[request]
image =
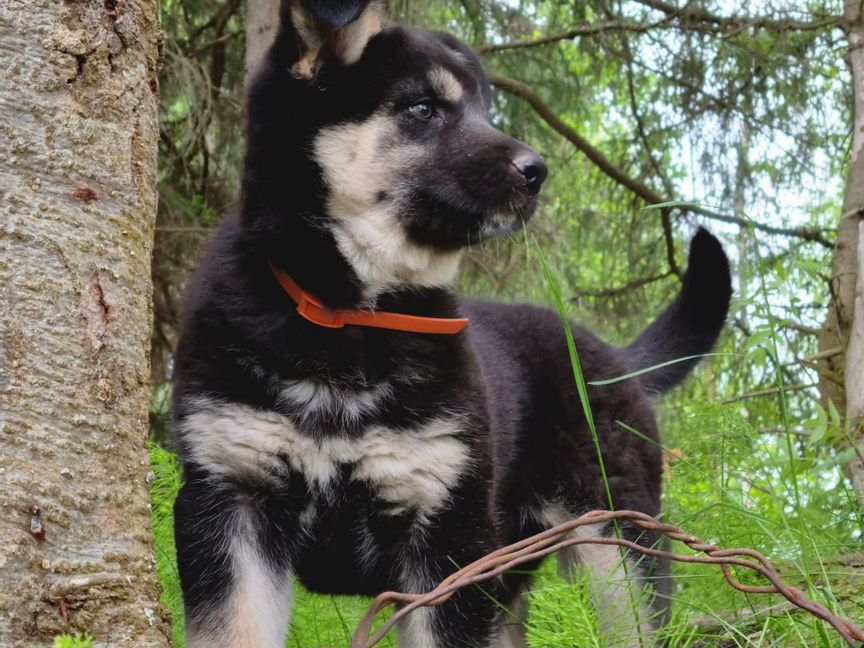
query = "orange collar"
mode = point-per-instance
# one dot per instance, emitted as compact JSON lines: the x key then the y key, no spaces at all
{"x":311,"y":309}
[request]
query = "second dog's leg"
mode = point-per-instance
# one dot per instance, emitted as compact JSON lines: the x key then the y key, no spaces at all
{"x":236,"y":592}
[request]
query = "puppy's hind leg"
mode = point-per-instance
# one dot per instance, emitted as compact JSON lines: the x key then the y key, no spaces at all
{"x":236,"y":591}
{"x":513,"y":634}
{"x":626,"y":616}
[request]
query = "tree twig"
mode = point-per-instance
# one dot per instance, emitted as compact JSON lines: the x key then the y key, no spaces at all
{"x":827,"y":353}
{"x":620,"y":290}
{"x":710,"y":624}
{"x":797,"y":326}
{"x":221,"y":40}
{"x":812,"y":235}
{"x":782,"y":430}
{"x":768,"y":392}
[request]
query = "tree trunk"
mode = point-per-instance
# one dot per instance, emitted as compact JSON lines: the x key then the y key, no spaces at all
{"x":79,"y":131}
{"x":262,"y":21}
{"x":845,"y":324}
{"x":855,"y":378}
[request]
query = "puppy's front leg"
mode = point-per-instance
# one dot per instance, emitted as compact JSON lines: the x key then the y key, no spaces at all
{"x":236,"y":590}
{"x":438,"y":548}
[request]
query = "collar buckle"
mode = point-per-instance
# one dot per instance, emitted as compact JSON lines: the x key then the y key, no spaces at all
{"x":312,"y":310}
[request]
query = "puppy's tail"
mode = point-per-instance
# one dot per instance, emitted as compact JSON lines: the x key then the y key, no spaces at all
{"x":692,"y":324}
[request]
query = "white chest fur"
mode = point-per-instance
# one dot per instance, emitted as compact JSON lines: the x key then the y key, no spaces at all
{"x":409,"y":468}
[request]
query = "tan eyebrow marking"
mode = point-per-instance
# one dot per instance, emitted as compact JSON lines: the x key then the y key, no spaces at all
{"x":445,"y":84}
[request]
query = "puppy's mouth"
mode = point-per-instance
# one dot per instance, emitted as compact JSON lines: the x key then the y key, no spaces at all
{"x":449,"y":224}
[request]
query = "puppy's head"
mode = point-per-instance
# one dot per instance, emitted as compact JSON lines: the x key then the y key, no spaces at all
{"x":395,"y":121}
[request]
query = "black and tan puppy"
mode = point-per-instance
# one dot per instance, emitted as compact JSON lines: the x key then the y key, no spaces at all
{"x":360,"y":459}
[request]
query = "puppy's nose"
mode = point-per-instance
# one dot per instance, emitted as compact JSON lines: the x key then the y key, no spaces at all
{"x":533,"y":168}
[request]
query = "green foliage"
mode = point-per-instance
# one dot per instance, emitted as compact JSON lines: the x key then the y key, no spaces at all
{"x":78,"y":640}
{"x":563,"y":612}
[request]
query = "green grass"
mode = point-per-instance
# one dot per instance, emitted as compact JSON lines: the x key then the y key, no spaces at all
{"x":562,"y":613}
{"x":163,"y":491}
{"x":702,"y":495}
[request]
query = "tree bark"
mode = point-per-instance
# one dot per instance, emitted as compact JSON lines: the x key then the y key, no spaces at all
{"x":262,"y":21}
{"x":855,"y":378}
{"x":845,"y":323}
{"x":79,"y":131}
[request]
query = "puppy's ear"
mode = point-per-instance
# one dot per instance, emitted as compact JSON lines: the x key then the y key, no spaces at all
{"x":333,"y":29}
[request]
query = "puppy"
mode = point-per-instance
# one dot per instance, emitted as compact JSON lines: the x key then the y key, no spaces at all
{"x":337,"y":421}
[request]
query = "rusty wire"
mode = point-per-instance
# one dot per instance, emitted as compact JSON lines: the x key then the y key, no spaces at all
{"x":559,"y":537}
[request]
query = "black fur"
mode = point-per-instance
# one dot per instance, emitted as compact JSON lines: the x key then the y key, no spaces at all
{"x":508,"y":378}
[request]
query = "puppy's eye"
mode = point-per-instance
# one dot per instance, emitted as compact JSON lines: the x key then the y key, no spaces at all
{"x":422,"y":110}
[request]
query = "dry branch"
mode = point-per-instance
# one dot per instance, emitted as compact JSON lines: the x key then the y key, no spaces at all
{"x":560,"y":537}
{"x":768,"y":392}
{"x":621,"y":290}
